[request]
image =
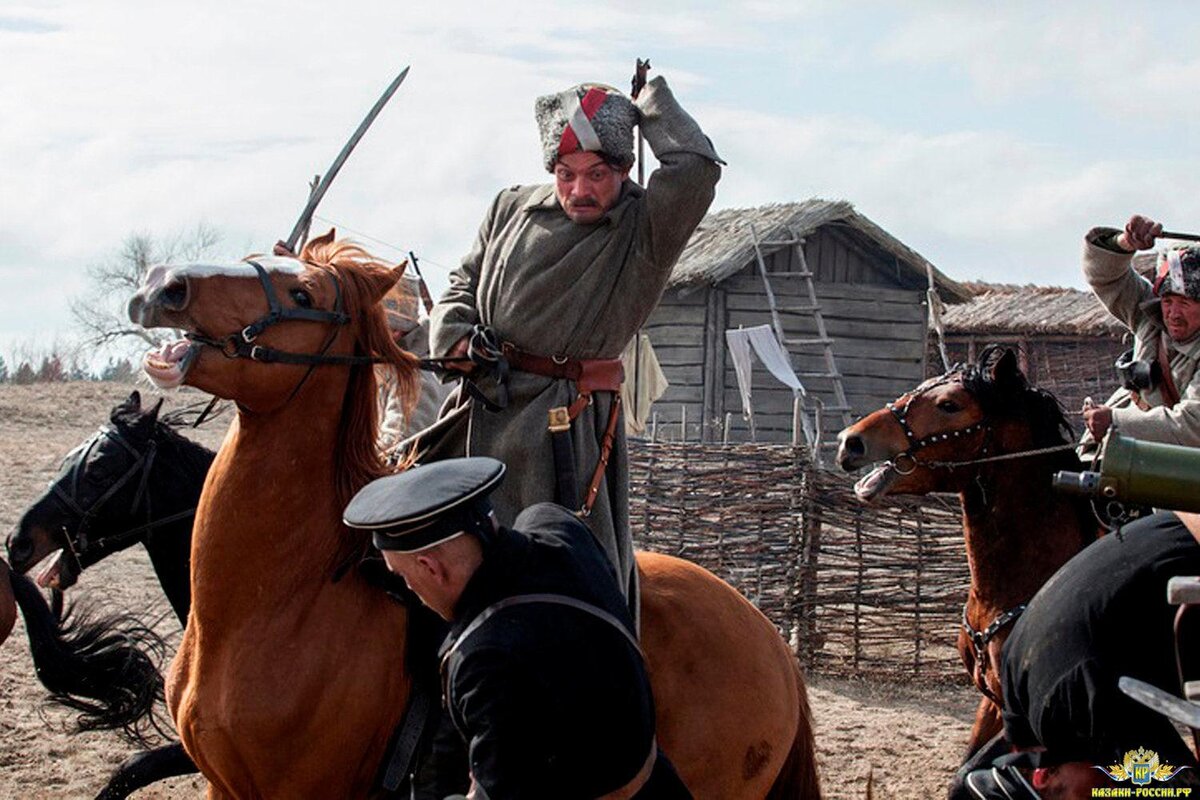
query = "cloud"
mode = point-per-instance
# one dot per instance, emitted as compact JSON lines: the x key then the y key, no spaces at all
{"x":979,"y":204}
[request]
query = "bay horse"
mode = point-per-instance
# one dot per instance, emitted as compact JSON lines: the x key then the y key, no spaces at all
{"x":982,"y":432}
{"x":288,"y":683}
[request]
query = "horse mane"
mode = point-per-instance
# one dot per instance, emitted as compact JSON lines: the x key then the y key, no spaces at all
{"x":1012,"y":398}
{"x":359,"y":459}
{"x":103,"y":665}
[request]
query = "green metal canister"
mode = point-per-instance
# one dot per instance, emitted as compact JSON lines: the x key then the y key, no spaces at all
{"x":1160,"y":475}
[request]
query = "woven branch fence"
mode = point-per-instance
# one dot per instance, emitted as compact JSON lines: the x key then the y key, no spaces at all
{"x":860,"y":591}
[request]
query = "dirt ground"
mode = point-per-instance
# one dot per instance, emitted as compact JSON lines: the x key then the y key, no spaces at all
{"x":907,"y":740}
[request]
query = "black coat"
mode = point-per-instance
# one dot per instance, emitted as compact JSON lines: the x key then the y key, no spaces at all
{"x":552,"y":701}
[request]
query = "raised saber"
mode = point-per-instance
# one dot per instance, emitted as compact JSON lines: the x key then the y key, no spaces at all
{"x":1187,"y":237}
{"x":315,"y":197}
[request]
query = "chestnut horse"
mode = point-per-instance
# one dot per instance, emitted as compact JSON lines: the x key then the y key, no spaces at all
{"x":289,"y":683}
{"x":983,"y":432}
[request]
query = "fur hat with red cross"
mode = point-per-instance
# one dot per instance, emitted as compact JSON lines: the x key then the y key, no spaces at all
{"x":1179,"y":272}
{"x":589,"y":117}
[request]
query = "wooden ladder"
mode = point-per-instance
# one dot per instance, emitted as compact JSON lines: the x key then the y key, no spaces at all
{"x":813,"y":307}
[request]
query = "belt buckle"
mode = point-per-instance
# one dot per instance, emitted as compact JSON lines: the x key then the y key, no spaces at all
{"x":559,"y":419}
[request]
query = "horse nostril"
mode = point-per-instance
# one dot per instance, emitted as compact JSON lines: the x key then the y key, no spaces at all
{"x":174,"y":296}
{"x":19,"y":550}
{"x":853,"y":446}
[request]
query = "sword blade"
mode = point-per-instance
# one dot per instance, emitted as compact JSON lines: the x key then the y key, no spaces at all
{"x":1187,"y":237}
{"x":315,"y":198}
{"x":1176,"y":708}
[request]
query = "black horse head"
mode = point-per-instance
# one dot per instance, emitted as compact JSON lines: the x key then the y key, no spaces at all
{"x":134,"y":480}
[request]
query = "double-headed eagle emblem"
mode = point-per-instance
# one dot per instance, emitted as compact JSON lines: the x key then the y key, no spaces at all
{"x":1140,"y":767}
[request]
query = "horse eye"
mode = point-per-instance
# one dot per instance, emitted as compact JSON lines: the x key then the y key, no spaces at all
{"x":301,"y":298}
{"x":949,"y":406}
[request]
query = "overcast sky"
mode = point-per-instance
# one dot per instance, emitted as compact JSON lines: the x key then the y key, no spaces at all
{"x":986,"y":136}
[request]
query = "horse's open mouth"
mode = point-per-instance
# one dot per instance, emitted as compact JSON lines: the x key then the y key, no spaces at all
{"x":875,"y":483}
{"x":167,"y":366}
{"x":58,"y":572}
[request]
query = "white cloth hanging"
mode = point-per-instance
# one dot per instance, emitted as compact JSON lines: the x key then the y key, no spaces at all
{"x":761,"y":340}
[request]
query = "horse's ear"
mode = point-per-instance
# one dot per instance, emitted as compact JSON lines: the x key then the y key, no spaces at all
{"x":1005,"y":369}
{"x":152,"y":414}
{"x":129,"y":407}
{"x":380,"y":280}
{"x":323,"y":239}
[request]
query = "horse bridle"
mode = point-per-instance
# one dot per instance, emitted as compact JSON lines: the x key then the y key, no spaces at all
{"x":979,"y":639}
{"x":241,"y":344}
{"x":80,"y":545}
{"x":915,"y":444}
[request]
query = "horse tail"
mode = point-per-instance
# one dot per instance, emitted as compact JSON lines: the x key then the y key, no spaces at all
{"x":799,"y":778}
{"x":105,"y":666}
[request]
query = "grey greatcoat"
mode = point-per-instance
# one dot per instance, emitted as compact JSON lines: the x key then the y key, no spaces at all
{"x":554,"y":287}
{"x":1130,"y":298}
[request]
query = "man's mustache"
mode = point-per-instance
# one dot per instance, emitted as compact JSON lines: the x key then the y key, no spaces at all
{"x":586,"y":202}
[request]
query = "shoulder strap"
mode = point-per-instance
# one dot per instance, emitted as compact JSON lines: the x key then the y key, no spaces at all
{"x":545,"y":598}
{"x":1168,"y":390}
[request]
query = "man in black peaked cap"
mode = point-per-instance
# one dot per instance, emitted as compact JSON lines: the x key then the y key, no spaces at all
{"x":542,"y":674}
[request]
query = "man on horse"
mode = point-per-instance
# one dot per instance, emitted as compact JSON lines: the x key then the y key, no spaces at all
{"x":1102,"y":616}
{"x":559,"y":280}
{"x":542,"y":674}
{"x":1160,"y":401}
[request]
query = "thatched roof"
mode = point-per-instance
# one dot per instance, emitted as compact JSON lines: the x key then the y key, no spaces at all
{"x":999,"y":308}
{"x":721,"y":245}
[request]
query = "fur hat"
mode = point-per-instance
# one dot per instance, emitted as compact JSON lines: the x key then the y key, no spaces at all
{"x":1179,"y":272}
{"x":589,"y":117}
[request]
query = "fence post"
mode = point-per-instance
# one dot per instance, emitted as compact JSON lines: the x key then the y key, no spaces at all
{"x":682,"y":422}
{"x":810,"y":553}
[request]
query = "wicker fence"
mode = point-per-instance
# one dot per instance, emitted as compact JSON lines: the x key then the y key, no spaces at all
{"x":861,"y":591}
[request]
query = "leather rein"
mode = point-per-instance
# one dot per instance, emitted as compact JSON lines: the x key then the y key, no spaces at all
{"x":80,"y":545}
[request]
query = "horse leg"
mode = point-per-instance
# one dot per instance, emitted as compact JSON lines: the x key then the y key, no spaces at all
{"x":987,"y":725}
{"x":143,"y":769}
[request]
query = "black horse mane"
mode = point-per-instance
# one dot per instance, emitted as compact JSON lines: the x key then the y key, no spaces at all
{"x":105,"y":666}
{"x":1011,"y":396}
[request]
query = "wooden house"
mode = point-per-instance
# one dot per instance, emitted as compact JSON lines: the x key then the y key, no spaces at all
{"x":870,"y":290}
{"x":1065,"y":339}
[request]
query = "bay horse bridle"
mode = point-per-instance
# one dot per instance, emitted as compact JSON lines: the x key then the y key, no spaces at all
{"x":915,"y":444}
{"x":979,"y":638}
{"x":79,"y":546}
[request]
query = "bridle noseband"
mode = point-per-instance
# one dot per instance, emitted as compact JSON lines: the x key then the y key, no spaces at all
{"x":242,"y":343}
{"x":80,"y":545}
{"x":900,"y":414}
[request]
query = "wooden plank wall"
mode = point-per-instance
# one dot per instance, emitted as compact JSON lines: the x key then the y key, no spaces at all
{"x":878,"y":330}
{"x":677,"y":333}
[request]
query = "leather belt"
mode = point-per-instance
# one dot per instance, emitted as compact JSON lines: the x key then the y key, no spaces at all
{"x":590,"y":375}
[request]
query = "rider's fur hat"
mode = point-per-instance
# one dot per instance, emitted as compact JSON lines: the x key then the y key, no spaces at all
{"x":1179,"y":272}
{"x":589,"y":117}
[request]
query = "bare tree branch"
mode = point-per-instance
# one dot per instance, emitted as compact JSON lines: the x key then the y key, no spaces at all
{"x":99,"y":312}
